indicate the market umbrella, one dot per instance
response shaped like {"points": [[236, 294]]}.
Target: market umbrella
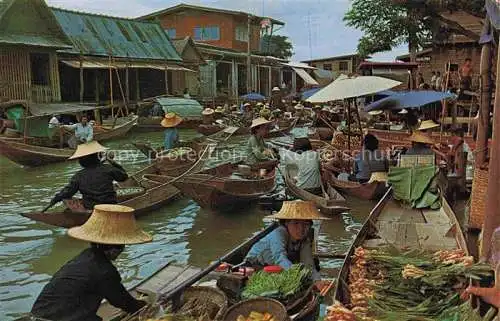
{"points": [[308, 93], [346, 87], [409, 99], [253, 97]]}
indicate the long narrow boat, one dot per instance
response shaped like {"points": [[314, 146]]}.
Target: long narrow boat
{"points": [[33, 155], [330, 206], [209, 130], [155, 196], [220, 188], [366, 191], [403, 228]]}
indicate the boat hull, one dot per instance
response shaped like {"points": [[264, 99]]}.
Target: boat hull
{"points": [[367, 191]]}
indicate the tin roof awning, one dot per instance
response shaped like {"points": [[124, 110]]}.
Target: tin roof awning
{"points": [[305, 76], [96, 64], [62, 108]]}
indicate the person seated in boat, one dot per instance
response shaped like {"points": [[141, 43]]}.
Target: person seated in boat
{"points": [[76, 291], [307, 161], [290, 243], [276, 114], [265, 113], [257, 150], [157, 110], [369, 160], [83, 132], [207, 116], [219, 112], [248, 114], [95, 180], [170, 122]]}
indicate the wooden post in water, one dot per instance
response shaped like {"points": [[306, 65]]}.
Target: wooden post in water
{"points": [[81, 80], [111, 87], [97, 112], [349, 125], [492, 217], [127, 85], [484, 107]]}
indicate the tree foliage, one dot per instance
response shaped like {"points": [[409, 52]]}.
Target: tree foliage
{"points": [[277, 46]]}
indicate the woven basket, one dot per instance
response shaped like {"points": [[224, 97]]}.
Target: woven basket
{"points": [[261, 305], [478, 198]]}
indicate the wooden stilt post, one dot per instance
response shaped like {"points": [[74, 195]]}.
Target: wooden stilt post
{"points": [[111, 87], [349, 125], [491, 217], [81, 80], [97, 112], [122, 93], [127, 85], [137, 85], [166, 80]]}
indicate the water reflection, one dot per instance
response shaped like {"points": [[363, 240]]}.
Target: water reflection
{"points": [[183, 232]]}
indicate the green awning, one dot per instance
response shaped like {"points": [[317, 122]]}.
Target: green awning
{"points": [[187, 108]]}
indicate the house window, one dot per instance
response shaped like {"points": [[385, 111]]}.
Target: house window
{"points": [[327, 66], [344, 66], [171, 32], [40, 69], [207, 33], [241, 33]]}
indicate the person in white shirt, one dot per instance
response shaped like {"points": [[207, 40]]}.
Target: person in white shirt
{"points": [[439, 81], [433, 81], [308, 164], [84, 133], [54, 122]]}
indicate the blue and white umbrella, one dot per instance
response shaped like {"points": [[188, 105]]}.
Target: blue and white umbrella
{"points": [[253, 97], [409, 99]]}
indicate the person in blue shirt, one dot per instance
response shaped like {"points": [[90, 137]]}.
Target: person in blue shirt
{"points": [[290, 243], [170, 122]]}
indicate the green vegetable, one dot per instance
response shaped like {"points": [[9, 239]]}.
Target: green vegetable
{"points": [[278, 285]]}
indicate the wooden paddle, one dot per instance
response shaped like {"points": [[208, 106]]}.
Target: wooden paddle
{"points": [[48, 206]]}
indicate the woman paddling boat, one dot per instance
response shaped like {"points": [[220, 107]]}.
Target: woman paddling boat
{"points": [[95, 180], [257, 149], [170, 122], [76, 291], [292, 242]]}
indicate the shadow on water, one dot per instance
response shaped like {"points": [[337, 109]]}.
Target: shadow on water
{"points": [[30, 252]]}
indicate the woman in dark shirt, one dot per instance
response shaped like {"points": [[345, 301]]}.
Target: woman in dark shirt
{"points": [[95, 180], [76, 291]]}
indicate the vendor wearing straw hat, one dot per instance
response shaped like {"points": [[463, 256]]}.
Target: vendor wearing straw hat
{"points": [[257, 150], [426, 125], [422, 144], [207, 116], [76, 291], [95, 180], [290, 243], [170, 122]]}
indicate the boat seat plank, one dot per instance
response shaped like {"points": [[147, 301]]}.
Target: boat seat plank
{"points": [[399, 234], [436, 216], [172, 275], [432, 237], [393, 212]]}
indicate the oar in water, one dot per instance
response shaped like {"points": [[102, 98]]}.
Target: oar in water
{"points": [[48, 206]]}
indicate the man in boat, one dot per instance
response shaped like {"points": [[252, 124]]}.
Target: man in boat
{"points": [[369, 160], [170, 122], [84, 132], [422, 144], [257, 149], [308, 164], [248, 114], [95, 180], [76, 291], [290, 243]]}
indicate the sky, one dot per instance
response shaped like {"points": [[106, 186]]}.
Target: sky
{"points": [[315, 27]]}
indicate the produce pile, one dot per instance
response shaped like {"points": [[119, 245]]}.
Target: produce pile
{"points": [[281, 286], [387, 284], [340, 141], [195, 309], [256, 316], [122, 191]]}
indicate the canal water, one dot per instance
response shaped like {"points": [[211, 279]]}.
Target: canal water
{"points": [[31, 252]]}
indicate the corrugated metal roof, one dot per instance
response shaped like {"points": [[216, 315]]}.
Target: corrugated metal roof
{"points": [[97, 35], [4, 5], [33, 40]]}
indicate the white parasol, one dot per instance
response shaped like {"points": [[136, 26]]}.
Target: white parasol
{"points": [[346, 87]]}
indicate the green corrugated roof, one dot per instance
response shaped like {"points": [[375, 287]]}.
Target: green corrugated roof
{"points": [[97, 35]]}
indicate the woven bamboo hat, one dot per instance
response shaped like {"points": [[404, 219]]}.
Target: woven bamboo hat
{"points": [[247, 104], [276, 89], [207, 111], [171, 120], [219, 109], [418, 137], [86, 149], [403, 112], [427, 124], [111, 224], [299, 107], [298, 210], [259, 122], [375, 112], [379, 177]]}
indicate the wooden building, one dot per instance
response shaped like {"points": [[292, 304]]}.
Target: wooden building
{"points": [[345, 64], [229, 42], [114, 58], [29, 39], [400, 71], [192, 59]]}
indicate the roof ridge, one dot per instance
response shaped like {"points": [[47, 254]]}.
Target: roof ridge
{"points": [[100, 15]]}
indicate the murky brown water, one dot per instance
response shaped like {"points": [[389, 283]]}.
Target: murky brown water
{"points": [[31, 252]]}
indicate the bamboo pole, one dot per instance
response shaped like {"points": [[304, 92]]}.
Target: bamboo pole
{"points": [[491, 217], [81, 80], [121, 91], [349, 125], [127, 84], [484, 107], [111, 87], [166, 80]]}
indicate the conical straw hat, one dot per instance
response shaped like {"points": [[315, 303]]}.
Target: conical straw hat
{"points": [[86, 149], [378, 177], [171, 120], [299, 107], [427, 124], [418, 137], [275, 89], [111, 224], [375, 112], [403, 112], [207, 111], [219, 109], [259, 121], [298, 210]]}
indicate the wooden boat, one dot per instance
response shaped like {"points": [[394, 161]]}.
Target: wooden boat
{"points": [[330, 206], [152, 124], [155, 195], [32, 155], [366, 191], [220, 187], [403, 228]]}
